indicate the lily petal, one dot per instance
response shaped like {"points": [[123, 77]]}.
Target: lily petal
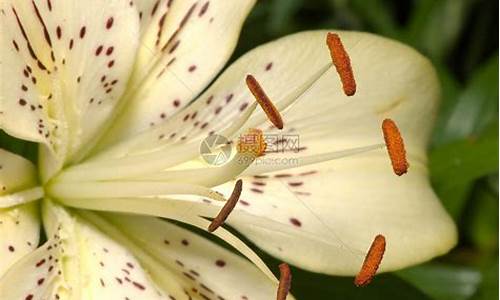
{"points": [[19, 226], [329, 214], [331, 211], [77, 262], [64, 67], [184, 45], [209, 270], [178, 210]]}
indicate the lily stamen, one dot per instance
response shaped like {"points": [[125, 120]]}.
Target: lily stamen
{"points": [[227, 208], [342, 63], [264, 101], [116, 189], [372, 261], [310, 159], [285, 281], [395, 147]]}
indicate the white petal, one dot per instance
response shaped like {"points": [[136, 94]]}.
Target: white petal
{"points": [[65, 65], [208, 268], [19, 226], [30, 277], [184, 45], [349, 201], [19, 233], [179, 210], [77, 262], [331, 217]]}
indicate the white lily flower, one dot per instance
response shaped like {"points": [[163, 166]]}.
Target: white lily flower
{"points": [[114, 94]]}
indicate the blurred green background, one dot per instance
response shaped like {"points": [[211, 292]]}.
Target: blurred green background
{"points": [[461, 39]]}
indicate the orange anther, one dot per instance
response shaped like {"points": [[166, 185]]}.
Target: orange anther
{"points": [[264, 101], [395, 147], [342, 63], [285, 281], [372, 261], [227, 208]]}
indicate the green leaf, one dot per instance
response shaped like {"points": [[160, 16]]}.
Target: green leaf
{"points": [[436, 25], [493, 183], [376, 14], [482, 224], [443, 282], [450, 92], [282, 13], [306, 285], [475, 109], [455, 166], [489, 287], [478, 38], [20, 147]]}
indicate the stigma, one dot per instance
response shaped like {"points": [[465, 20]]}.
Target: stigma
{"points": [[342, 63], [264, 101], [372, 261], [395, 147]]}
